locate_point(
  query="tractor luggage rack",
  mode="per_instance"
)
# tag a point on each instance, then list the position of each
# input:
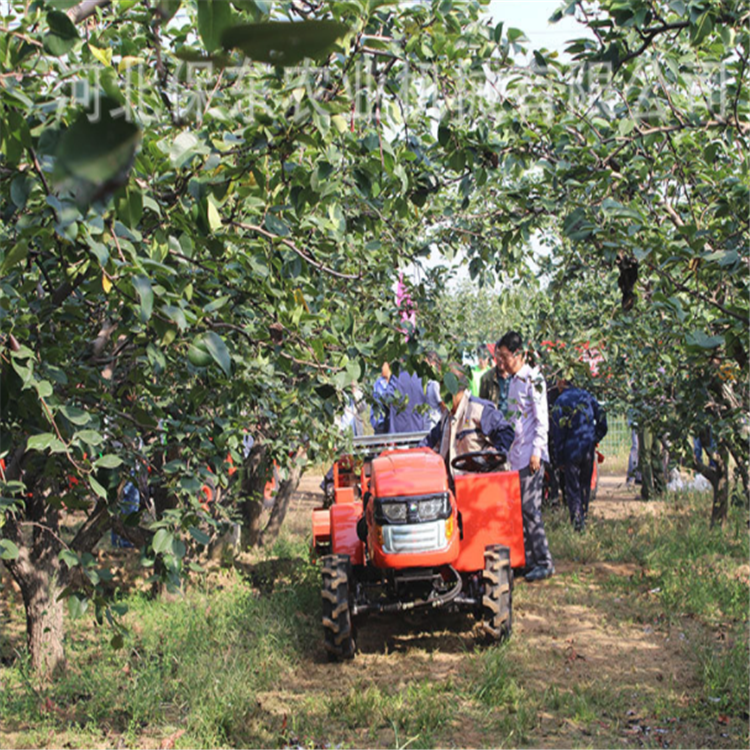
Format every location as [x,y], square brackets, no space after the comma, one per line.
[369,444]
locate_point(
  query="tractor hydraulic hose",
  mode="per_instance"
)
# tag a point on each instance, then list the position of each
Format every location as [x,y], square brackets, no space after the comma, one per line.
[439,600]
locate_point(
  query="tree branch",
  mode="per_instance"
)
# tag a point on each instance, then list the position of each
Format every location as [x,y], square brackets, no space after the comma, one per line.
[269,235]
[86,9]
[694,293]
[649,35]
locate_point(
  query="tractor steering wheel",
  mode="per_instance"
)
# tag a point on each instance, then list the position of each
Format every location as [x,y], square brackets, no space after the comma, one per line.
[479,462]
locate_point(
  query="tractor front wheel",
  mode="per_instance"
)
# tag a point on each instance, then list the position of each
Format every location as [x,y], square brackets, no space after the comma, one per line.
[497,602]
[337,619]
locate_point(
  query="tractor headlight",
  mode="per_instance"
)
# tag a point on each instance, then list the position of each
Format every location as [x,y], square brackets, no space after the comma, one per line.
[410,509]
[434,508]
[394,512]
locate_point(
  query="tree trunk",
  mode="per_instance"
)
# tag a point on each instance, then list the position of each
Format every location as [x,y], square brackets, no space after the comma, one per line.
[720,484]
[256,470]
[741,462]
[44,621]
[41,578]
[284,495]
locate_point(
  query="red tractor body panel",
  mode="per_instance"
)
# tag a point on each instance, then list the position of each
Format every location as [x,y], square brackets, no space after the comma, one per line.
[344,539]
[419,471]
[321,526]
[414,473]
[398,560]
[490,507]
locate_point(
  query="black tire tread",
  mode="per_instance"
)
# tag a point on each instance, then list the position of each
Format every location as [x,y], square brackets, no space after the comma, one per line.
[497,601]
[337,621]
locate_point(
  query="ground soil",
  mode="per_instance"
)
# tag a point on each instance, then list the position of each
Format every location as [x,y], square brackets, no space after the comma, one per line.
[571,641]
[571,634]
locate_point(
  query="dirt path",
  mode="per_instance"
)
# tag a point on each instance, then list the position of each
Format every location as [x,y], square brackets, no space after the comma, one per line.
[572,636]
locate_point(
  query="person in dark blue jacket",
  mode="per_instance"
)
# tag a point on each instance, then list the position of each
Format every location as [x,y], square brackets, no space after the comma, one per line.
[402,396]
[578,423]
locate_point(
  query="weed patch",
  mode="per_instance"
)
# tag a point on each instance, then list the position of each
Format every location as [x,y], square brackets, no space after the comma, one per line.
[639,639]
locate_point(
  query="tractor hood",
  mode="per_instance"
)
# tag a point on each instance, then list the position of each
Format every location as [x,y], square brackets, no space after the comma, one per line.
[419,471]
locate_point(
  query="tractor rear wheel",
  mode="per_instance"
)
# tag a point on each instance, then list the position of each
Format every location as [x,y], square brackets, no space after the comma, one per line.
[337,619]
[497,602]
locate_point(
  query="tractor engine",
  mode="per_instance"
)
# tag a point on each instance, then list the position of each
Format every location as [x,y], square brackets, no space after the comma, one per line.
[412,520]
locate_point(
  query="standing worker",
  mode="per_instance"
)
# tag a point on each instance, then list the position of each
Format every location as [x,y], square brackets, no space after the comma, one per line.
[495,383]
[578,424]
[527,405]
[379,410]
[402,397]
[483,357]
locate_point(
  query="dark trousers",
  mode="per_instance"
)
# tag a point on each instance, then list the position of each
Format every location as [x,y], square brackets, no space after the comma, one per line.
[534,537]
[578,486]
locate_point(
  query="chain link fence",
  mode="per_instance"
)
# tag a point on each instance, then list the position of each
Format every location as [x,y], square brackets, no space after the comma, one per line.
[617,440]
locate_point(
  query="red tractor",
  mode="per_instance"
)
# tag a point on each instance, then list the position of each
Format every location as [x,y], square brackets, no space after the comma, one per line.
[399,535]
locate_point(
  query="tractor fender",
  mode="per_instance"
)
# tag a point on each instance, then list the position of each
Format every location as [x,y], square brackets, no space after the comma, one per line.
[344,539]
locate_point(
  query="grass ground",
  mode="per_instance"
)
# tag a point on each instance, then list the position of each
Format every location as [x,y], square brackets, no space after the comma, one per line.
[640,640]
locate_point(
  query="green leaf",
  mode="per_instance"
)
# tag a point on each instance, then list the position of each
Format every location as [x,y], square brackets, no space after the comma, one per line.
[703,340]
[340,124]
[281,43]
[77,605]
[90,437]
[214,16]
[156,358]
[97,487]
[108,461]
[142,286]
[184,147]
[43,388]
[40,442]
[17,254]
[214,219]
[178,548]
[217,304]
[162,541]
[62,34]
[200,536]
[613,208]
[8,550]
[702,29]
[101,148]
[69,558]
[450,386]
[166,9]
[218,350]
[198,354]
[276,225]
[20,189]
[129,207]
[75,415]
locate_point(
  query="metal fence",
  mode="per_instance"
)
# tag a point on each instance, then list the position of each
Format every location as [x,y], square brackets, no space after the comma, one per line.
[617,440]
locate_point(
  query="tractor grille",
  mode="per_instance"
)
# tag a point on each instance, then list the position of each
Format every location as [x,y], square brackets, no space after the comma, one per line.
[411,538]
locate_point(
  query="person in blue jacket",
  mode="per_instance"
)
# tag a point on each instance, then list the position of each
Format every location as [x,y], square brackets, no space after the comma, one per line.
[578,423]
[402,397]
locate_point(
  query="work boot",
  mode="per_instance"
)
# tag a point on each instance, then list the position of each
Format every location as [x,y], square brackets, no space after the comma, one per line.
[579,524]
[540,572]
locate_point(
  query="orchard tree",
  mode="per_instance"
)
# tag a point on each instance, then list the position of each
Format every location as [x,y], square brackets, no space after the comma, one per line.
[205,208]
[635,150]
[473,314]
